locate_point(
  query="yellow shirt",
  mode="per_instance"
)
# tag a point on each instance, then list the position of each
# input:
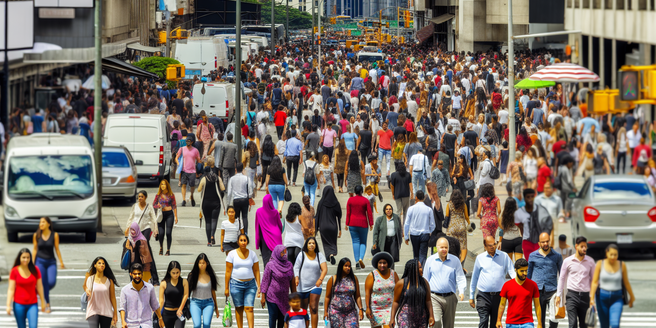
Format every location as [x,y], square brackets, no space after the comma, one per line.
[364,73]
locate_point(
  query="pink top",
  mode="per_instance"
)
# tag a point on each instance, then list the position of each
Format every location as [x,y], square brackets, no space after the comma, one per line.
[189,156]
[328,134]
[100,302]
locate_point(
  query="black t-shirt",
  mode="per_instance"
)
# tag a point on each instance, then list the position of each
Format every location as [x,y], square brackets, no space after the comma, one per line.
[471,136]
[401,184]
[399,130]
[277,180]
[306,124]
[365,139]
[450,141]
[530,105]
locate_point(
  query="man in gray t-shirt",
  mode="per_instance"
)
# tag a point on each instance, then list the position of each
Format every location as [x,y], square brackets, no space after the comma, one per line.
[312,142]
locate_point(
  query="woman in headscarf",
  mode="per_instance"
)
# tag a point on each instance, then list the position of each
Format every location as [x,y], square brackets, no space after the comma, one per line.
[329,222]
[277,281]
[140,252]
[268,228]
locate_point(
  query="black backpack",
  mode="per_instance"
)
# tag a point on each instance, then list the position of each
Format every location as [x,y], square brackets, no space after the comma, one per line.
[310,178]
[494,171]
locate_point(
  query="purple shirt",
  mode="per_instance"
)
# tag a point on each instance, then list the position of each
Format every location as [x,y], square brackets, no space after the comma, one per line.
[576,274]
[138,305]
[275,286]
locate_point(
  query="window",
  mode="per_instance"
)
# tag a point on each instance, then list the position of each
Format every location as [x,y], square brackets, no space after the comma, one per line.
[569,3]
[596,4]
[621,191]
[50,177]
[112,159]
[620,4]
[629,4]
[577,4]
[609,4]
[642,4]
[586,4]
[651,5]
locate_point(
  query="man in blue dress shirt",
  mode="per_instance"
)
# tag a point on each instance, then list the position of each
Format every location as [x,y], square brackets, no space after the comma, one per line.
[488,277]
[293,155]
[543,268]
[419,224]
[444,274]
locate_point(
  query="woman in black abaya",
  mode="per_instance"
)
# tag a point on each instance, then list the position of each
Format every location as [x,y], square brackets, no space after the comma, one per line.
[328,222]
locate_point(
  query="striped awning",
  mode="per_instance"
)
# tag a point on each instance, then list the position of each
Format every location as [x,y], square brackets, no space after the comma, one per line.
[425,33]
[565,72]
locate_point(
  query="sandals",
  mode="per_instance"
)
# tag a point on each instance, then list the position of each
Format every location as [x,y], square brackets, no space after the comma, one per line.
[168,252]
[161,251]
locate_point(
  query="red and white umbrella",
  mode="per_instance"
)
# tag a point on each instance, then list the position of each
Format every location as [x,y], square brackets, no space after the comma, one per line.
[565,72]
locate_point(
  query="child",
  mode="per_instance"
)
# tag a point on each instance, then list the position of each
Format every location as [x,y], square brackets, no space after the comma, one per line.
[296,317]
[371,197]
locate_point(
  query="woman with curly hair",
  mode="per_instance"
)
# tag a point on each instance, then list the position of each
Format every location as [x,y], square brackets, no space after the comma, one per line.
[489,207]
[510,237]
[456,209]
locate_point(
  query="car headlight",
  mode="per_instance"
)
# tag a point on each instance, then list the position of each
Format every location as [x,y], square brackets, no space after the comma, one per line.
[10,213]
[92,210]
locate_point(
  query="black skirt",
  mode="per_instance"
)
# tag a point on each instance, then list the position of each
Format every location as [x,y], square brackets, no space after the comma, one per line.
[392,247]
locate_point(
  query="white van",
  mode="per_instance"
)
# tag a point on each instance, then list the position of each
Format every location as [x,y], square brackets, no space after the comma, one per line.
[53,175]
[215,98]
[198,54]
[370,57]
[146,137]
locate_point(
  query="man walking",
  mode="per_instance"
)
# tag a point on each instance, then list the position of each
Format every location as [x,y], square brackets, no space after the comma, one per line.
[228,159]
[533,219]
[518,293]
[576,275]
[419,224]
[543,267]
[488,277]
[239,192]
[138,302]
[293,156]
[420,168]
[190,156]
[443,272]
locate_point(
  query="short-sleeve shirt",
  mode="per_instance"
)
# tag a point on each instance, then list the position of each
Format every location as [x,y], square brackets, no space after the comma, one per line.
[349,139]
[25,287]
[231,230]
[242,269]
[520,300]
[385,138]
[189,157]
[308,271]
[401,184]
[296,319]
[328,137]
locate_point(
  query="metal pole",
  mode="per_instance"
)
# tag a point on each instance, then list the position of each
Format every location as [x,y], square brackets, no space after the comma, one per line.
[273,29]
[511,85]
[319,31]
[5,71]
[97,108]
[237,121]
[168,34]
[287,18]
[313,25]
[398,23]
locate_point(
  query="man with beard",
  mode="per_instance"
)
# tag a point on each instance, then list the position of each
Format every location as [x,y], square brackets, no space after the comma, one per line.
[138,302]
[576,274]
[543,267]
[518,293]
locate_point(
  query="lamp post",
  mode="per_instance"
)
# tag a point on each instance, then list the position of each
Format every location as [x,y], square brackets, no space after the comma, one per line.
[511,85]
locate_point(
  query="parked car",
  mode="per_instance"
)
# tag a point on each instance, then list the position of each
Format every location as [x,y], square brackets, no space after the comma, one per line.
[119,174]
[615,209]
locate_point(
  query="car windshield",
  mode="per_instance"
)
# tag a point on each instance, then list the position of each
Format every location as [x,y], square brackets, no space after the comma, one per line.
[621,191]
[112,159]
[371,59]
[50,177]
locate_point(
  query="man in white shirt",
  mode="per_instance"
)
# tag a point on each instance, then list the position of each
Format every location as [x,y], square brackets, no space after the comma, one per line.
[524,99]
[633,136]
[420,169]
[485,177]
[465,83]
[412,106]
[503,116]
[550,201]
[456,101]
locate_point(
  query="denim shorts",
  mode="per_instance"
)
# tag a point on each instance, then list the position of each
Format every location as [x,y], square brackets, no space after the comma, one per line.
[243,292]
[520,325]
[315,291]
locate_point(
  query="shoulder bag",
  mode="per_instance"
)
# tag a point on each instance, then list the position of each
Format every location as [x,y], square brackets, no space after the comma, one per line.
[625,292]
[288,195]
[447,220]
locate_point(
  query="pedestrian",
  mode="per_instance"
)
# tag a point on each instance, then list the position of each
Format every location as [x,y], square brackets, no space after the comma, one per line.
[99,285]
[228,159]
[269,152]
[144,216]
[420,168]
[165,202]
[189,156]
[576,276]
[543,268]
[418,226]
[326,169]
[388,234]
[329,222]
[138,301]
[533,219]
[342,291]
[24,284]
[250,159]
[277,281]
[210,201]
[355,169]
[268,228]
[46,243]
[359,217]
[489,276]
[607,290]
[412,306]
[141,253]
[384,145]
[294,239]
[276,182]
[230,231]
[567,185]
[341,157]
[296,317]
[307,218]
[461,172]
[240,194]
[489,209]
[456,211]
[372,175]
[173,295]
[309,270]
[293,155]
[328,139]
[379,290]
[440,176]
[202,284]
[445,275]
[518,293]
[204,133]
[311,177]
[563,248]
[510,236]
[401,185]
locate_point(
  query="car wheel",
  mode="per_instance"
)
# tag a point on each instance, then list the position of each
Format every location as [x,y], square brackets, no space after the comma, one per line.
[167,177]
[12,237]
[90,236]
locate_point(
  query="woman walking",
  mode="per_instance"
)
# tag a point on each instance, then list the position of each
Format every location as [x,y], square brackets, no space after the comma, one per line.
[268,228]
[210,200]
[379,290]
[342,296]
[277,281]
[24,285]
[205,134]
[99,285]
[341,157]
[276,182]
[140,252]
[251,160]
[327,171]
[355,169]
[293,232]
[309,270]
[46,242]
[311,167]
[165,202]
[269,152]
[388,234]
[412,307]
[511,238]
[230,231]
[606,292]
[202,285]
[329,222]
[307,218]
[456,208]
[461,172]
[173,295]
[358,219]
[489,208]
[144,216]
[242,281]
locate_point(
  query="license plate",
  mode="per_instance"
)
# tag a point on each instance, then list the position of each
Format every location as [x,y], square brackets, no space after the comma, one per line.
[107,181]
[624,238]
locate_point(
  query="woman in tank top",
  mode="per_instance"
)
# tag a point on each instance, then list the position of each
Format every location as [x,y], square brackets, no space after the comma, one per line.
[202,288]
[46,242]
[173,295]
[606,292]
[242,280]
[99,285]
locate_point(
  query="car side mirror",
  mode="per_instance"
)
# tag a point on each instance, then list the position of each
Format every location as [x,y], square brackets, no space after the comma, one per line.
[138,162]
[572,195]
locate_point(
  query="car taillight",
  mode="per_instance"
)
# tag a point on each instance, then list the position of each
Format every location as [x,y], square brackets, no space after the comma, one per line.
[652,214]
[590,214]
[227,105]
[216,62]
[161,155]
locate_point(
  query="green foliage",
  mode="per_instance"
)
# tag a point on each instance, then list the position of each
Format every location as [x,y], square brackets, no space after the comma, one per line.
[156,65]
[297,19]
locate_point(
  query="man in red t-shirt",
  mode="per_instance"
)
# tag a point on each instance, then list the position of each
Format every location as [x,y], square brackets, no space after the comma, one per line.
[518,293]
[279,119]
[384,145]
[544,174]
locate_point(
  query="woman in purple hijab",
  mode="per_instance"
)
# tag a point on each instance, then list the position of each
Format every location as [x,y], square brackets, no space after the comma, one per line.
[268,228]
[277,281]
[140,251]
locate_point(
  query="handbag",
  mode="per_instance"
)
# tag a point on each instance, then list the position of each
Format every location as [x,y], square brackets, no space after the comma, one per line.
[126,257]
[447,220]
[470,184]
[625,292]
[160,216]
[591,317]
[84,300]
[227,314]
[288,195]
[375,251]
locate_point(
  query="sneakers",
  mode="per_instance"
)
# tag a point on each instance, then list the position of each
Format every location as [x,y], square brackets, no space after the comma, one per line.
[184,203]
[332,259]
[193,202]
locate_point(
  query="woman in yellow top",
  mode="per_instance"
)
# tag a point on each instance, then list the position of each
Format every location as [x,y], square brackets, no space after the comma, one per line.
[397,149]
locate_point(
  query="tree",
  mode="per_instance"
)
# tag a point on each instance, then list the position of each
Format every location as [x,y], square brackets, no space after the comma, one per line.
[297,19]
[156,65]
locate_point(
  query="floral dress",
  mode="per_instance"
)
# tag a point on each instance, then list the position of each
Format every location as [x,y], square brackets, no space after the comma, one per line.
[489,219]
[409,318]
[382,297]
[457,226]
[343,312]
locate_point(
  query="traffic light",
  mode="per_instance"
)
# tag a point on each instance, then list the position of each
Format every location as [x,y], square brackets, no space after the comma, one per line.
[387,24]
[348,32]
[316,29]
[408,16]
[406,24]
[333,20]
[651,84]
[630,85]
[175,72]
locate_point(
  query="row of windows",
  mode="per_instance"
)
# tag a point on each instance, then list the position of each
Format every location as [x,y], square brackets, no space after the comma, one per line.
[618,4]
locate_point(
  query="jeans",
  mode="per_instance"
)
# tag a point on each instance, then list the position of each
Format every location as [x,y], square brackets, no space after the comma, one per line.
[276,318]
[165,229]
[577,305]
[545,296]
[48,270]
[243,292]
[359,240]
[621,160]
[277,193]
[522,325]
[402,205]
[609,308]
[99,321]
[241,207]
[420,247]
[292,162]
[29,312]
[418,182]
[311,190]
[487,306]
[201,309]
[385,153]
